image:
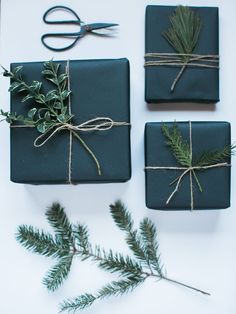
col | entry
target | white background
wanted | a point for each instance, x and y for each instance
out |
(198, 247)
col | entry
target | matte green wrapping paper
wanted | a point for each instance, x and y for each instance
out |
(206, 136)
(196, 84)
(100, 88)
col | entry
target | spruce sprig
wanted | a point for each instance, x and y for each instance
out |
(183, 35)
(181, 150)
(179, 147)
(71, 240)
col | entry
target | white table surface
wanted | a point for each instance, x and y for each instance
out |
(197, 247)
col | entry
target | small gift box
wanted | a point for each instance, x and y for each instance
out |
(187, 165)
(181, 54)
(92, 147)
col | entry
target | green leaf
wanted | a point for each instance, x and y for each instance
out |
(27, 97)
(32, 113)
(47, 72)
(65, 94)
(42, 127)
(14, 86)
(36, 86)
(62, 77)
(17, 69)
(58, 105)
(51, 95)
(61, 118)
(47, 116)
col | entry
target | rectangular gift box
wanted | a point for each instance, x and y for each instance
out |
(196, 84)
(100, 88)
(215, 182)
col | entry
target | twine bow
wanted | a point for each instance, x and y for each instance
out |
(182, 60)
(187, 170)
(96, 124)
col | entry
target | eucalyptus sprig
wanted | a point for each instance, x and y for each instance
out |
(72, 240)
(51, 107)
(183, 35)
(50, 112)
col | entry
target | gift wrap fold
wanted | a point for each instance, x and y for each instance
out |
(215, 182)
(100, 88)
(197, 84)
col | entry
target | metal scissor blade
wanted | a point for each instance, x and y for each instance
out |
(96, 26)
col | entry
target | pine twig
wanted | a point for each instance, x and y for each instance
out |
(183, 36)
(73, 240)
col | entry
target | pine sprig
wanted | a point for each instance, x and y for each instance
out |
(183, 36)
(184, 31)
(179, 147)
(72, 240)
(209, 158)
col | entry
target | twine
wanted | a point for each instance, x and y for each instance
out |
(187, 170)
(95, 124)
(182, 60)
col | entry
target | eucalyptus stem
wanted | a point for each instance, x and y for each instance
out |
(36, 95)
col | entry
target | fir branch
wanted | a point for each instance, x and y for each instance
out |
(39, 242)
(115, 288)
(149, 238)
(58, 274)
(117, 263)
(79, 303)
(213, 157)
(179, 147)
(73, 240)
(59, 221)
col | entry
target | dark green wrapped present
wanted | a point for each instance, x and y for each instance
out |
(99, 104)
(182, 62)
(187, 165)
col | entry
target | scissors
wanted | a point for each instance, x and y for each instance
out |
(84, 28)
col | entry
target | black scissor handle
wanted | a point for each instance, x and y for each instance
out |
(52, 35)
(64, 8)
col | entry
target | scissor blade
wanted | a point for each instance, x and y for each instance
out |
(96, 26)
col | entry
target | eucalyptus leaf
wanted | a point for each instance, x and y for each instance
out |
(32, 113)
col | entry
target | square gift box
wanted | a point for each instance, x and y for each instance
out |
(162, 173)
(197, 83)
(100, 88)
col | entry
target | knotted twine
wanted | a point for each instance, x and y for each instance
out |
(187, 170)
(95, 124)
(182, 60)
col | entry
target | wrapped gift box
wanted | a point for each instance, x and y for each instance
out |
(193, 86)
(100, 88)
(215, 182)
